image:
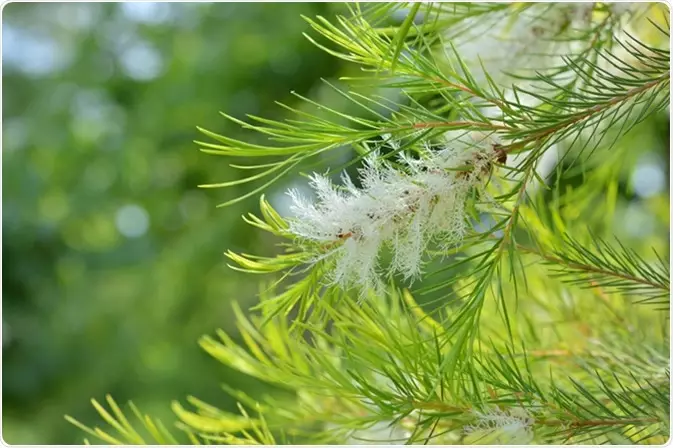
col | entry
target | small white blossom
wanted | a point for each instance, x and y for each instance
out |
(401, 209)
(531, 43)
(511, 426)
(535, 40)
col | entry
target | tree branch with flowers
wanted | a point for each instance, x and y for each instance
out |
(443, 287)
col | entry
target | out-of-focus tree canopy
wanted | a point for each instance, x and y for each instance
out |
(113, 262)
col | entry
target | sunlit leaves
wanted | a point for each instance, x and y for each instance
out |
(515, 343)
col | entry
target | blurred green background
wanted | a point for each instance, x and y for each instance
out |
(113, 258)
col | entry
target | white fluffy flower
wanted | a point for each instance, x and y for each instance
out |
(532, 40)
(536, 41)
(520, 44)
(511, 426)
(401, 209)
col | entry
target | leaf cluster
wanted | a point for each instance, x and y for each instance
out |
(513, 328)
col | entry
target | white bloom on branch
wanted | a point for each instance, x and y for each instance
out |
(403, 209)
(527, 41)
(533, 39)
(510, 426)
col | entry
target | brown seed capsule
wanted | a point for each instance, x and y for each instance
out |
(501, 153)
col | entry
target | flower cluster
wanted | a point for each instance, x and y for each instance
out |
(529, 39)
(510, 426)
(403, 209)
(537, 38)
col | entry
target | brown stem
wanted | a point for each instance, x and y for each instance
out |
(592, 269)
(465, 89)
(606, 422)
(536, 136)
(460, 124)
(441, 407)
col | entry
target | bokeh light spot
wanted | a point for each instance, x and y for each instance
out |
(147, 12)
(54, 206)
(14, 134)
(132, 221)
(77, 16)
(141, 61)
(648, 179)
(33, 53)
